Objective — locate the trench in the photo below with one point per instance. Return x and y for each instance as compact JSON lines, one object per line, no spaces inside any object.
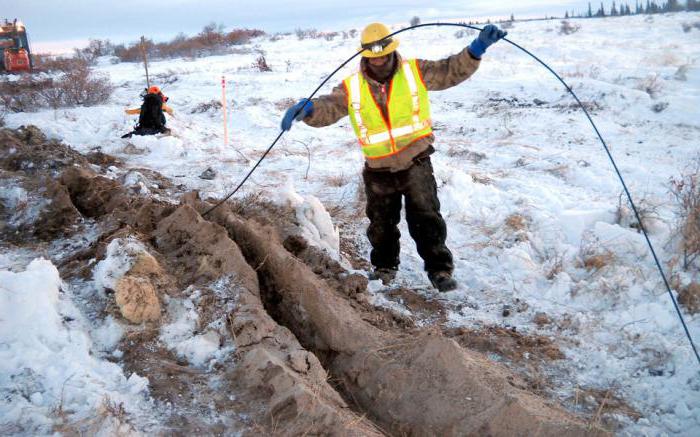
{"x":405,"y":382}
{"x":287,"y":314}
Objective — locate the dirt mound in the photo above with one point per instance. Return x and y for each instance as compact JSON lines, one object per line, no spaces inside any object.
{"x":27,"y":149}
{"x":407,"y":384}
{"x":94,"y":195}
{"x":201,"y":249}
{"x":325,"y":267}
{"x":274,"y":369}
{"x":42,"y":210}
{"x":506,"y":342}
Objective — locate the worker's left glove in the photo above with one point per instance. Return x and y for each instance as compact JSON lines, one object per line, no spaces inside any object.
{"x":299,"y":111}
{"x":489,"y":35}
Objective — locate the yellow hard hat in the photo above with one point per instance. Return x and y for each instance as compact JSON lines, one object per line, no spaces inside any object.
{"x":375,"y":42}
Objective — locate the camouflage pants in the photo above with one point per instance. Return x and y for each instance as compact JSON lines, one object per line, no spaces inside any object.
{"x":425,"y":224}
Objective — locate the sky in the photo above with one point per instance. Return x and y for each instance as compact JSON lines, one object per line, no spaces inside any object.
{"x":54,"y":23}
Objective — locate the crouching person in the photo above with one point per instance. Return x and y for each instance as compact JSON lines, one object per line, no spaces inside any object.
{"x":151,"y":117}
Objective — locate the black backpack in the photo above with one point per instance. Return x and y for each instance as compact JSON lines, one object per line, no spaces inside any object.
{"x":152,"y":116}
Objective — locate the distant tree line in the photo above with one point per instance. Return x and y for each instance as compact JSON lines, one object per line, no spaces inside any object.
{"x":650,"y":7}
{"x":211,"y":40}
{"x":620,"y":9}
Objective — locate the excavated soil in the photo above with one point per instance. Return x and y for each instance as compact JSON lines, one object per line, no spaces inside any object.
{"x":311,"y":355}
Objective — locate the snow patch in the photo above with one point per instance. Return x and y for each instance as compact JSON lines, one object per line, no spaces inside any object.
{"x":180,"y":335}
{"x":314,"y":220}
{"x":47,"y":361}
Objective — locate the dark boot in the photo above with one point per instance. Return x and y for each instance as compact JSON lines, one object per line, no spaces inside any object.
{"x":443,"y":281}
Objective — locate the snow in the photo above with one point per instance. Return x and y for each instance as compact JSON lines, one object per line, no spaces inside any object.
{"x":314,"y":221}
{"x":120,"y":257}
{"x":180,"y":335}
{"x":46,"y":359}
{"x":494,"y":160}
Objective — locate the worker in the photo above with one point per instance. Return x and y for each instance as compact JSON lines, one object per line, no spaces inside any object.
{"x":151,"y":118}
{"x":387,"y":101}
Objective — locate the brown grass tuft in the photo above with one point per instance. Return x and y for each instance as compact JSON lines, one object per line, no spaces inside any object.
{"x":689,"y":297}
{"x":686,"y":191}
{"x":516,"y":222}
{"x":598,"y":261}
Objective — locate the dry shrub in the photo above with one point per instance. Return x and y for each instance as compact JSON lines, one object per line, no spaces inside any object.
{"x":458,"y":150}
{"x":260,"y":64}
{"x":94,"y":49}
{"x":651,"y":85}
{"x":207,"y":106}
{"x":167,"y":78}
{"x":303,"y":34}
{"x":598,"y":261}
{"x":212,"y":40}
{"x":567,"y":28}
{"x":553,"y":265}
{"x":481,"y":179}
{"x":516,"y":222}
{"x":338,"y":180}
{"x":109,"y":415}
{"x":284,"y":104}
{"x":689,"y":297}
{"x":81,"y":87}
{"x":592,"y":256}
{"x":647,"y":209}
{"x":51,"y":64}
{"x":23,"y":95}
{"x":76,"y":87}
{"x":686,"y":191}
{"x":241,"y":36}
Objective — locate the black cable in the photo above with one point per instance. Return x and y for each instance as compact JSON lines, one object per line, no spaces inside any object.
{"x":595,"y":128}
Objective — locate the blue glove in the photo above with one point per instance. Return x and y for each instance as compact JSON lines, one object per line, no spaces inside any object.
{"x":299,"y":111}
{"x":489,"y":35}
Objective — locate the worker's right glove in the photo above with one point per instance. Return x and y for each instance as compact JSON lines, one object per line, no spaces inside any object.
{"x":299,"y":111}
{"x":489,"y":35}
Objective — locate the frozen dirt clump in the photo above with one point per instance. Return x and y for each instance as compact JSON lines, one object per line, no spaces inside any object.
{"x":35,"y":210}
{"x":28,"y":150}
{"x":94,"y":195}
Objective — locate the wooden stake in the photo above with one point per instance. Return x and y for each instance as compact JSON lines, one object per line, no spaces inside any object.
{"x":145,"y":60}
{"x":223,"y":105}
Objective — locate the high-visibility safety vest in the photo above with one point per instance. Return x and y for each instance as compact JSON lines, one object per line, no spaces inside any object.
{"x":408,"y":108}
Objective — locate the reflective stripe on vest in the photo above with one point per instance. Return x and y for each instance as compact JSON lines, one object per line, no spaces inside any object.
{"x":408,"y":107}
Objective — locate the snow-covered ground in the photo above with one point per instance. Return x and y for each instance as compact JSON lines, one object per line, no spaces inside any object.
{"x":526,"y":188}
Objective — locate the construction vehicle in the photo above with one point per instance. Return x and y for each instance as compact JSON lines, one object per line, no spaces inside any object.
{"x":14,"y":44}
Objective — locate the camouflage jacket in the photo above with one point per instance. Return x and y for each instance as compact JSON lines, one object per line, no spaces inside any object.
{"x":437,"y":75}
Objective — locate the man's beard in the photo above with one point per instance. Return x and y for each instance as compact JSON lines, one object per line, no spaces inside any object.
{"x":382,"y":72}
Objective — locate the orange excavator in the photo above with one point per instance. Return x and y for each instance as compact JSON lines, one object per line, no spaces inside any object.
{"x":14,"y":44}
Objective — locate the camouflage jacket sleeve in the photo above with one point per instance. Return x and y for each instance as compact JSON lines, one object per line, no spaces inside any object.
{"x":329,"y":108}
{"x":448,"y":72}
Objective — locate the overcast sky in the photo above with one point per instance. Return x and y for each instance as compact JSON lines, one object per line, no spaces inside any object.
{"x":64,"y":22}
